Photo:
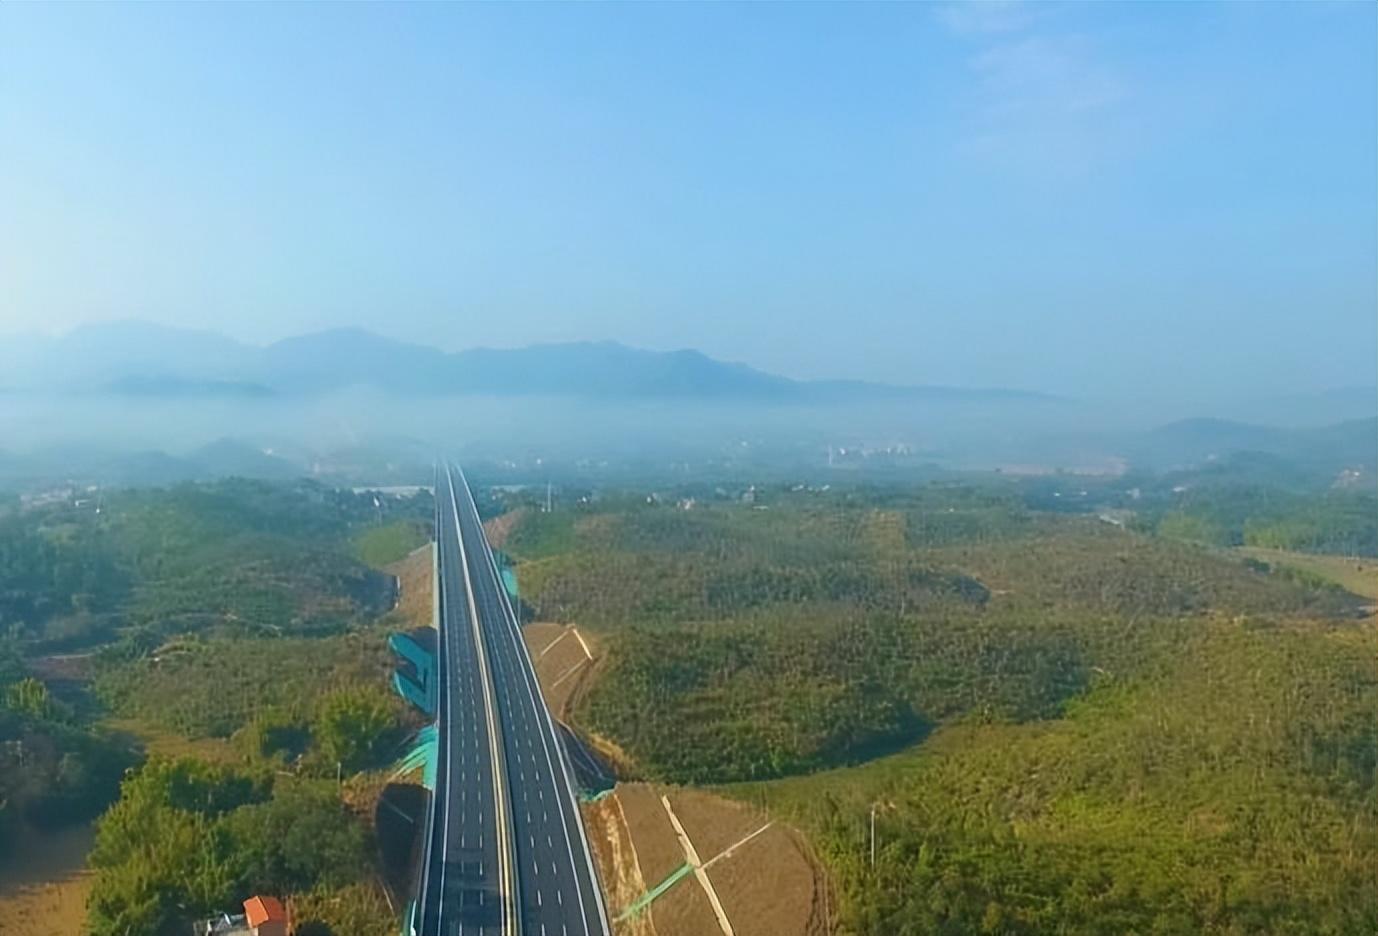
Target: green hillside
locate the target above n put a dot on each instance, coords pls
(233, 610)
(1066, 726)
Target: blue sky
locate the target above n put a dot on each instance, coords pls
(1093, 199)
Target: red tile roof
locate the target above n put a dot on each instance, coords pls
(259, 910)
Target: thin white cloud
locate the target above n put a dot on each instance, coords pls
(974, 18)
(1038, 96)
(1041, 77)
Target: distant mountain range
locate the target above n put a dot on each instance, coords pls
(1263, 454)
(1194, 440)
(90, 463)
(141, 359)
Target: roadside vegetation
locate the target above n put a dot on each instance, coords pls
(1065, 720)
(244, 615)
(382, 545)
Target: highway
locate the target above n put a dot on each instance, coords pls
(506, 848)
(464, 889)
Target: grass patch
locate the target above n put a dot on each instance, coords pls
(384, 545)
(159, 742)
(1359, 576)
(202, 689)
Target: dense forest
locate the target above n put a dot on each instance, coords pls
(1068, 720)
(248, 613)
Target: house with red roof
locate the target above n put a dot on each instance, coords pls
(262, 916)
(265, 916)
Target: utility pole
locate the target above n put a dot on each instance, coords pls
(549, 506)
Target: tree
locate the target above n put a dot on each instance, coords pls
(302, 838)
(351, 725)
(158, 851)
(29, 697)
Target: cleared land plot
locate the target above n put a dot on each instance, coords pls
(617, 864)
(43, 883)
(657, 848)
(1359, 576)
(560, 662)
(713, 824)
(768, 887)
(416, 600)
(684, 910)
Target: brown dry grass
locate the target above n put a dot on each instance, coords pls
(158, 742)
(498, 528)
(1359, 576)
(361, 792)
(44, 884)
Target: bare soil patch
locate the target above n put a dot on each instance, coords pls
(44, 883)
(657, 849)
(618, 867)
(684, 910)
(540, 634)
(770, 887)
(561, 663)
(712, 823)
(416, 599)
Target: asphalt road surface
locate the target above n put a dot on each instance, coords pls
(507, 851)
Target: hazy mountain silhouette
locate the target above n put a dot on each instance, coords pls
(151, 360)
(1192, 441)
